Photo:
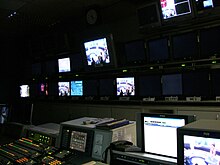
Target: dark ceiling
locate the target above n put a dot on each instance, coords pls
(25, 15)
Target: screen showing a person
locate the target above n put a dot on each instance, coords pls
(64, 88)
(3, 113)
(97, 52)
(78, 141)
(76, 88)
(24, 91)
(172, 84)
(201, 150)
(174, 8)
(125, 86)
(64, 65)
(160, 135)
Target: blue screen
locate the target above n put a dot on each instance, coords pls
(76, 88)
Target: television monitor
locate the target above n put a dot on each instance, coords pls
(50, 67)
(99, 51)
(199, 143)
(150, 86)
(64, 65)
(90, 87)
(106, 87)
(42, 89)
(4, 113)
(158, 50)
(76, 88)
(206, 7)
(76, 62)
(135, 52)
(209, 39)
(196, 83)
(64, 88)
(158, 132)
(171, 84)
(215, 81)
(175, 8)
(185, 46)
(24, 90)
(125, 86)
(76, 139)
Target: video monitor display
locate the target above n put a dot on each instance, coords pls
(135, 52)
(150, 86)
(172, 84)
(78, 141)
(202, 5)
(64, 88)
(125, 86)
(158, 50)
(42, 89)
(196, 83)
(160, 133)
(201, 150)
(50, 67)
(175, 8)
(209, 39)
(24, 90)
(76, 88)
(76, 62)
(106, 87)
(4, 113)
(185, 46)
(90, 87)
(64, 65)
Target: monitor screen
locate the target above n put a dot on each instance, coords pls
(76, 62)
(160, 133)
(78, 141)
(50, 67)
(209, 39)
(135, 52)
(4, 113)
(42, 89)
(155, 54)
(202, 5)
(150, 85)
(90, 87)
(175, 8)
(24, 91)
(125, 86)
(76, 88)
(106, 87)
(64, 65)
(99, 52)
(196, 83)
(172, 84)
(64, 88)
(183, 42)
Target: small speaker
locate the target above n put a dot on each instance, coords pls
(148, 15)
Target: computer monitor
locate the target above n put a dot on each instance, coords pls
(24, 90)
(158, 132)
(64, 88)
(76, 88)
(4, 113)
(125, 86)
(64, 65)
(199, 143)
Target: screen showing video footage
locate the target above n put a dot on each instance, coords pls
(64, 88)
(64, 65)
(76, 88)
(24, 91)
(125, 86)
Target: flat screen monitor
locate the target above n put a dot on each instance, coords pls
(185, 46)
(24, 90)
(150, 86)
(99, 51)
(160, 133)
(175, 8)
(125, 86)
(76, 88)
(4, 113)
(50, 67)
(64, 65)
(64, 88)
(158, 50)
(198, 145)
(106, 87)
(135, 52)
(209, 39)
(76, 62)
(204, 7)
(78, 141)
(90, 87)
(215, 80)
(172, 84)
(43, 89)
(196, 83)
